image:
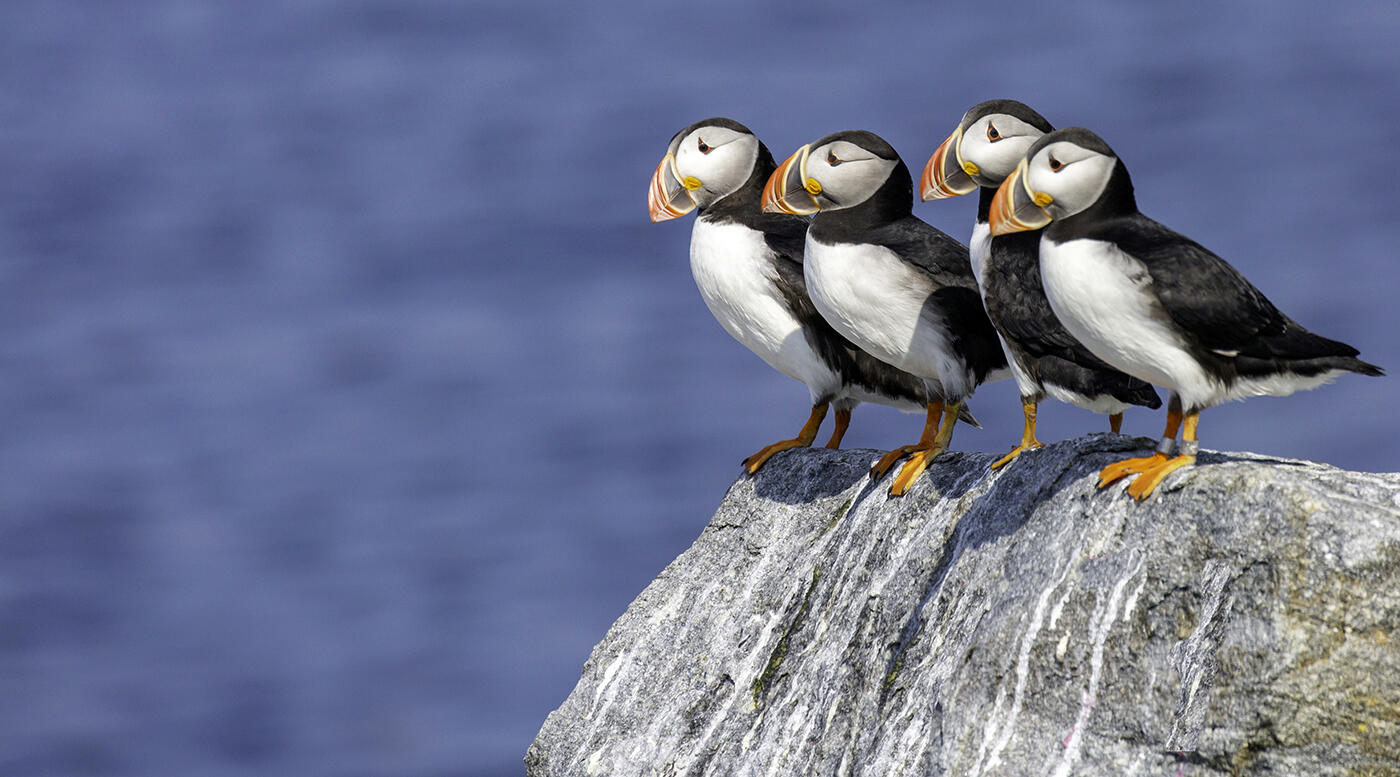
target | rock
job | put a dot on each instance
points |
(1241, 621)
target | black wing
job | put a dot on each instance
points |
(1017, 306)
(922, 245)
(972, 334)
(1016, 302)
(786, 235)
(1212, 301)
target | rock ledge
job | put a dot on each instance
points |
(1245, 620)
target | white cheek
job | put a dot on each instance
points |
(688, 161)
(721, 171)
(709, 168)
(1001, 158)
(732, 164)
(852, 183)
(1076, 186)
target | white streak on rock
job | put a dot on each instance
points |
(1103, 623)
(1023, 662)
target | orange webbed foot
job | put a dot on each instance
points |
(753, 463)
(1121, 469)
(803, 439)
(912, 469)
(1015, 452)
(1148, 481)
(890, 459)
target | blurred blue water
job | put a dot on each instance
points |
(349, 394)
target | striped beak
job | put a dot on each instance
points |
(789, 190)
(946, 174)
(1015, 208)
(668, 197)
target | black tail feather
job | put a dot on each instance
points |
(1366, 368)
(1293, 349)
(1136, 392)
(1255, 366)
(1097, 383)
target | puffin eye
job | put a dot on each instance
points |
(992, 134)
(831, 159)
(1055, 164)
(704, 148)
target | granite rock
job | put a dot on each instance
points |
(1244, 620)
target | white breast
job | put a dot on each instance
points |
(733, 272)
(869, 294)
(980, 249)
(1104, 298)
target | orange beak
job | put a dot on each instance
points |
(789, 190)
(1015, 208)
(668, 197)
(946, 175)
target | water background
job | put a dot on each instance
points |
(349, 394)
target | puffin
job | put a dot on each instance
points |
(1044, 357)
(748, 267)
(895, 286)
(1152, 302)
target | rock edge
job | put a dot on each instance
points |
(1022, 622)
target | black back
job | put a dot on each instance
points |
(1230, 326)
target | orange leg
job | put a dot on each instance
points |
(1115, 422)
(1119, 470)
(1028, 440)
(843, 420)
(935, 412)
(918, 460)
(1148, 481)
(804, 438)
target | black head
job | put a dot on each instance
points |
(1012, 108)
